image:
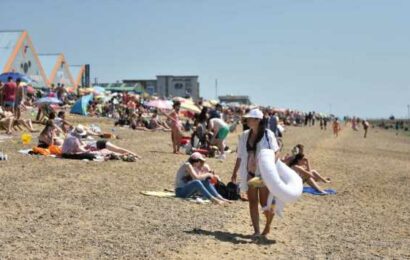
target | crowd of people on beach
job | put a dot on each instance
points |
(195, 176)
(201, 135)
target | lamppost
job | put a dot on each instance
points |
(216, 89)
(408, 112)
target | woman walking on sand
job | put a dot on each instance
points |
(336, 127)
(250, 143)
(365, 124)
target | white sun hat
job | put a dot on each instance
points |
(254, 113)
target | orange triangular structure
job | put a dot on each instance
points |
(78, 72)
(57, 69)
(20, 56)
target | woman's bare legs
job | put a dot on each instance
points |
(254, 209)
(319, 177)
(220, 144)
(304, 174)
(314, 185)
(174, 148)
(176, 140)
(308, 178)
(116, 149)
(27, 124)
(263, 199)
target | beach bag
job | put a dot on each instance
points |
(42, 151)
(221, 189)
(232, 191)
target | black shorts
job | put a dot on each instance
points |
(101, 144)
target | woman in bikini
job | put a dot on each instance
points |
(300, 164)
(176, 126)
(250, 143)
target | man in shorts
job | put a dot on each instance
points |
(220, 132)
(9, 94)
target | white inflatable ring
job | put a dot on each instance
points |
(283, 183)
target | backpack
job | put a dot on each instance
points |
(222, 189)
(232, 191)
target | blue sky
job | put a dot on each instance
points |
(349, 56)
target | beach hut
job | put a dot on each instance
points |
(17, 54)
(80, 106)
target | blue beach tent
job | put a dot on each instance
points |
(80, 106)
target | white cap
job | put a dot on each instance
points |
(254, 113)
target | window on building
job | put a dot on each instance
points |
(178, 85)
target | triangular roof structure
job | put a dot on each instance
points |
(78, 72)
(17, 54)
(57, 69)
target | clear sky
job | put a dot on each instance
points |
(348, 56)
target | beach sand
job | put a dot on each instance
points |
(55, 208)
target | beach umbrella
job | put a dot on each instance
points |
(213, 102)
(180, 99)
(206, 103)
(15, 76)
(190, 106)
(98, 90)
(48, 100)
(158, 103)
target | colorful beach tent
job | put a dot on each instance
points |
(80, 107)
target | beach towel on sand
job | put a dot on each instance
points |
(170, 194)
(160, 194)
(313, 191)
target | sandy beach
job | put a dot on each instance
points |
(55, 208)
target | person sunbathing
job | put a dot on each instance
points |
(74, 147)
(156, 124)
(137, 122)
(99, 145)
(299, 148)
(189, 181)
(8, 118)
(49, 136)
(297, 164)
